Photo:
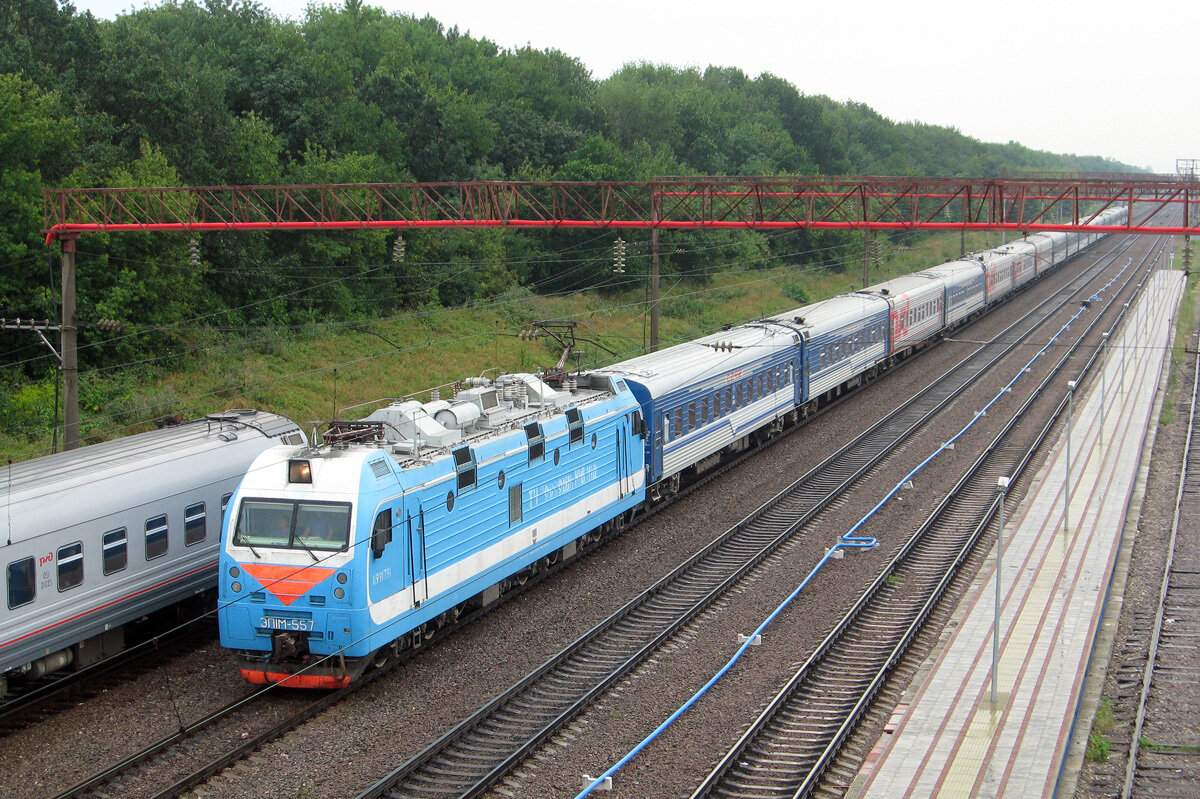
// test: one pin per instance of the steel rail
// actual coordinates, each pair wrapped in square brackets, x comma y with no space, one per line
[483,748]
[40,696]
[796,737]
[1151,781]
[257,740]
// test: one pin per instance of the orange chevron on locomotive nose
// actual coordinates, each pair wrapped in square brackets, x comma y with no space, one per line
[287,583]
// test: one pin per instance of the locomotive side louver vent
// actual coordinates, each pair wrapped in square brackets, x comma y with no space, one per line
[380,468]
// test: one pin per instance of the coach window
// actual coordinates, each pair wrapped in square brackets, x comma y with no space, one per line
[195,525]
[116,555]
[156,537]
[70,566]
[21,588]
[464,467]
[691,416]
[704,411]
[729,399]
[575,425]
[677,423]
[535,441]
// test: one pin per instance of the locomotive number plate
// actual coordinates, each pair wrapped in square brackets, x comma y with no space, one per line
[295,625]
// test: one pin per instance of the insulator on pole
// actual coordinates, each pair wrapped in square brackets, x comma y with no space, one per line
[398,249]
[619,256]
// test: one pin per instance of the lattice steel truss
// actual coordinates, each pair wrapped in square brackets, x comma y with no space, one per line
[867,203]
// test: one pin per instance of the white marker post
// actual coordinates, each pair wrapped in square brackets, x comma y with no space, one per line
[1067,483]
[1002,487]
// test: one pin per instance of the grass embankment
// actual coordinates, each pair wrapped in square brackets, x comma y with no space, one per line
[316,373]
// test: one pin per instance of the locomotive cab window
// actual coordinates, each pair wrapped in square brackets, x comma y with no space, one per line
[21,587]
[535,441]
[293,525]
[575,425]
[195,525]
[464,467]
[70,566]
[116,552]
[156,537]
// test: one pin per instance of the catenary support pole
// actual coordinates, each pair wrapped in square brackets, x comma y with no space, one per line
[69,345]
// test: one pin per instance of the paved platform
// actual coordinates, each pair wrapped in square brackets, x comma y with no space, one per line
[948,738]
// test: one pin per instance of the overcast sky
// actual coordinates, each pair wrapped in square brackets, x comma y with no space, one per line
[1118,82]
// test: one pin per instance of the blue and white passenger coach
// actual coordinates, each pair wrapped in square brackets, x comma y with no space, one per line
[704,398]
[339,554]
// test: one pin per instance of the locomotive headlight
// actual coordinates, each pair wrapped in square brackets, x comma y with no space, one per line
[235,572]
[339,593]
[341,578]
[299,471]
[237,587]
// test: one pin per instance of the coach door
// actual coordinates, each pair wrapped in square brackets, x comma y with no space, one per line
[416,544]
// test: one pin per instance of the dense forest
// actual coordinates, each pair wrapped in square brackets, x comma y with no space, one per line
[222,92]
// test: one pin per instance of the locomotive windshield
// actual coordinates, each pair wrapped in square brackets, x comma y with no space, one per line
[293,525]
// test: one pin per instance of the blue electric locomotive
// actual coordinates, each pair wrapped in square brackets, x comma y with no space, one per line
[339,554]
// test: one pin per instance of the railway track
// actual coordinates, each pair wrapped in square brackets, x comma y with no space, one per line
[796,738]
[1164,751]
[36,699]
[161,756]
[484,748]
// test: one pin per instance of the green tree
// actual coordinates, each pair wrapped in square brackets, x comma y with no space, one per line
[37,147]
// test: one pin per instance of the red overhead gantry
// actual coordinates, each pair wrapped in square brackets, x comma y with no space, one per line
[850,203]
[1062,203]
